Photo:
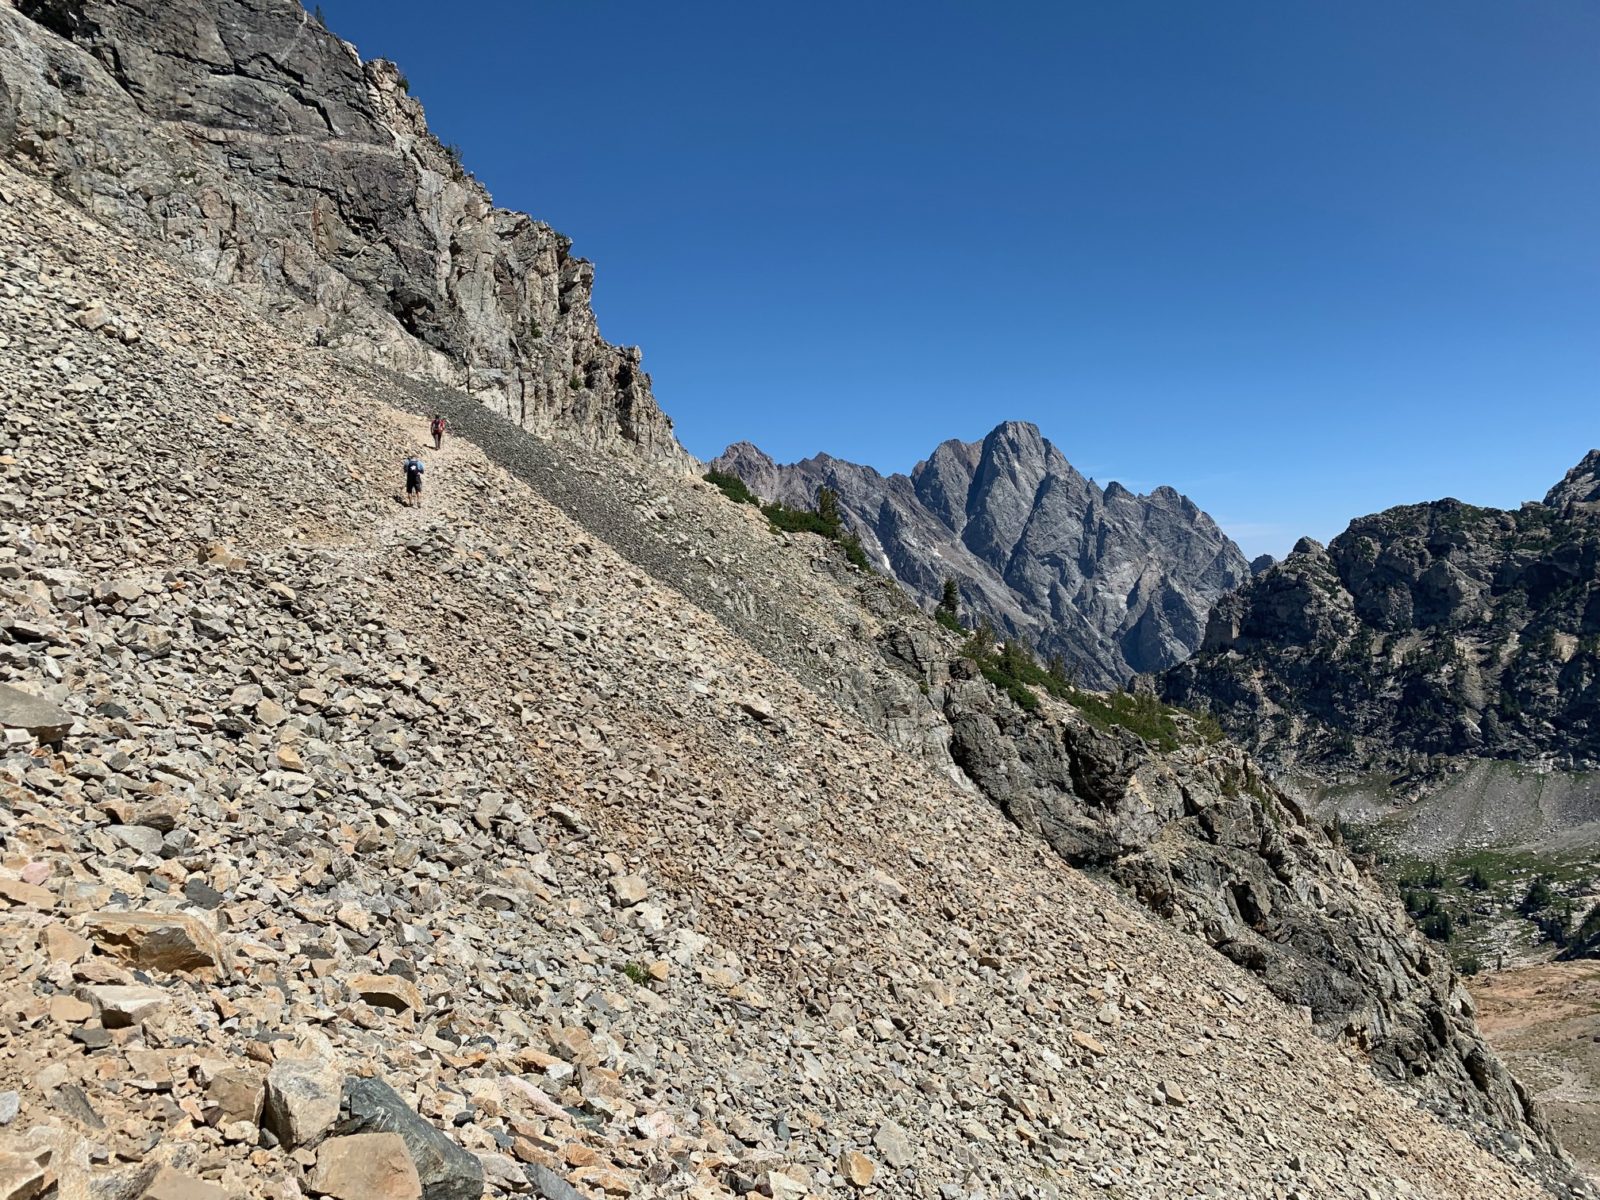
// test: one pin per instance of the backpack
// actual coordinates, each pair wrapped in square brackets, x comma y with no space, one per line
[438,425]
[414,468]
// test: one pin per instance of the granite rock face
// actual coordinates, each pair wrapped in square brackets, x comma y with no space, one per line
[262,150]
[1115,583]
[1428,630]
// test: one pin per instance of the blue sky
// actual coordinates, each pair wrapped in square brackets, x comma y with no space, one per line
[1301,261]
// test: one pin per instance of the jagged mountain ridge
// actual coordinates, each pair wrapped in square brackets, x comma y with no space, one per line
[260,148]
[1116,583]
[1439,629]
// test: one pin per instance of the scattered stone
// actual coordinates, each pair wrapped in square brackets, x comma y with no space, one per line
[893,1144]
[239,1093]
[629,889]
[122,1006]
[857,1169]
[388,991]
[302,1099]
[174,1185]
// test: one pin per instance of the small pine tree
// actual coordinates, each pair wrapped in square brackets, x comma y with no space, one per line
[1015,659]
[950,602]
[828,510]
[1539,895]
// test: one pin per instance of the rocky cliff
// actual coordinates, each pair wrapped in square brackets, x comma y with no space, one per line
[1115,583]
[1437,629]
[258,147]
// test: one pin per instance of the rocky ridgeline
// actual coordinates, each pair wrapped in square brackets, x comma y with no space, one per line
[1115,583]
[259,147]
[1430,631]
[403,853]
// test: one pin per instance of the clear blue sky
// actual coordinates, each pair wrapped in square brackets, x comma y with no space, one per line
[1300,260]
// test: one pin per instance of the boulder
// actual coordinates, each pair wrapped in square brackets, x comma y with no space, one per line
[46,721]
[388,991]
[366,1166]
[121,1006]
[302,1099]
[239,1092]
[447,1171]
[156,941]
[175,1185]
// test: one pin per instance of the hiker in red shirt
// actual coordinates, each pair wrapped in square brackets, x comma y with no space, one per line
[437,429]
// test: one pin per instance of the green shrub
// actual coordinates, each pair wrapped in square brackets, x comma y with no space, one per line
[1540,895]
[1421,904]
[795,520]
[854,551]
[828,512]
[1137,712]
[1478,880]
[1439,927]
[825,520]
[1470,965]
[636,972]
[1021,694]
[731,486]
[949,620]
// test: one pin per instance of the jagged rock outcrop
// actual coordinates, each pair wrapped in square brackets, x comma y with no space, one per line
[1115,583]
[1436,629]
[259,147]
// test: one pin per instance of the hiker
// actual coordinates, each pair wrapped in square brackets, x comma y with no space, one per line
[436,427]
[414,469]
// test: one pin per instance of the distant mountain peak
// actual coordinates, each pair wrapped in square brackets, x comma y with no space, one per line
[1116,583]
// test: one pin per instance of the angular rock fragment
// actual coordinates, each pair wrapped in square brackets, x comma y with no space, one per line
[156,941]
[302,1099]
[46,721]
[365,1166]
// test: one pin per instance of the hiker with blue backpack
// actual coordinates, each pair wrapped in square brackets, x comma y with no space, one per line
[414,468]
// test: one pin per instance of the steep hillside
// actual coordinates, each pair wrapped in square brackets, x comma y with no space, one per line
[1429,630]
[1114,583]
[260,148]
[471,803]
